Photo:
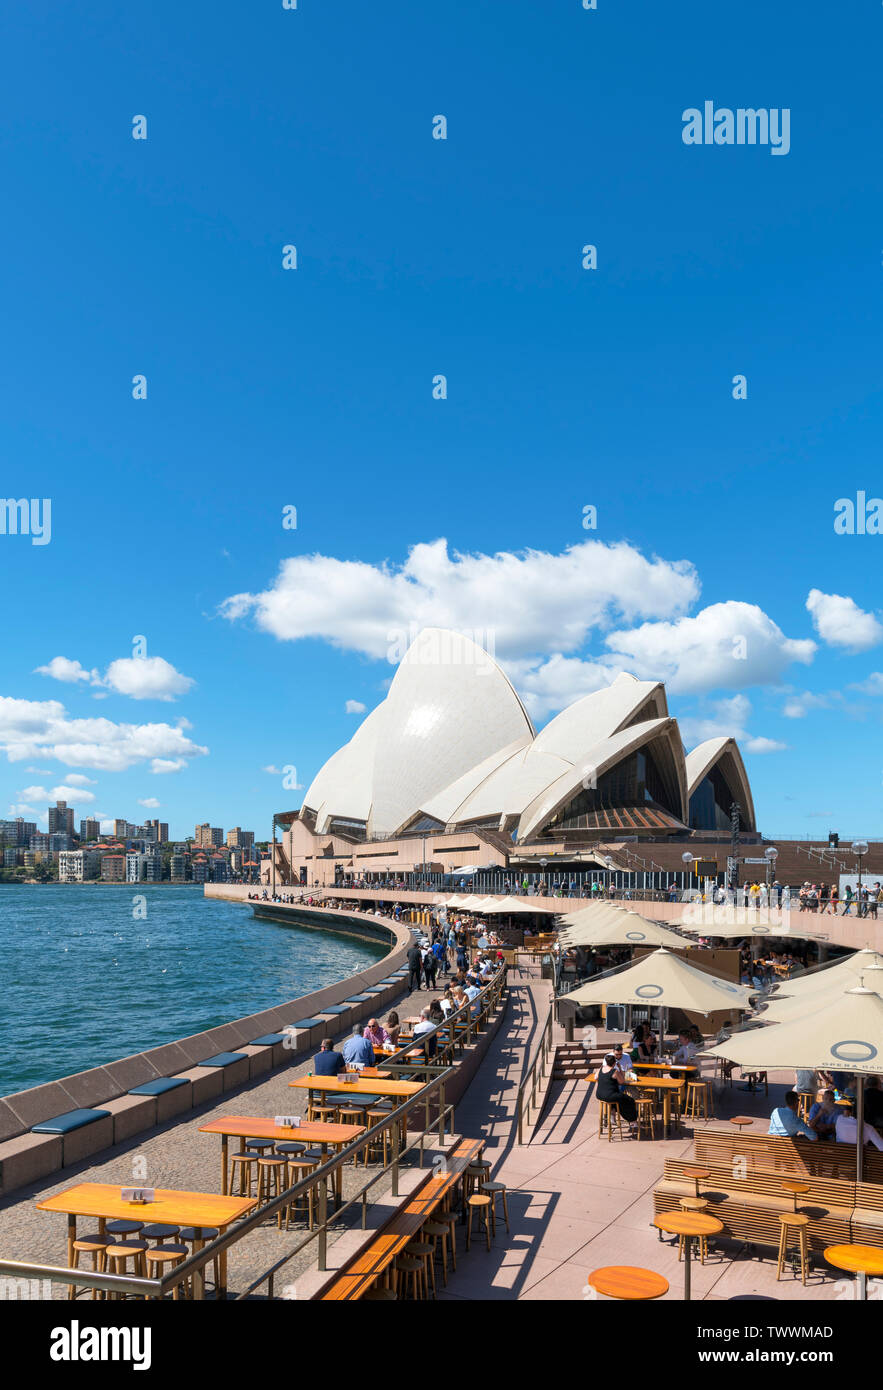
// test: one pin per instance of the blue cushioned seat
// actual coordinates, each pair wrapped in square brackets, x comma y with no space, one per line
[70,1120]
[336,1009]
[224,1059]
[159,1086]
[357,999]
[305,1023]
[268,1040]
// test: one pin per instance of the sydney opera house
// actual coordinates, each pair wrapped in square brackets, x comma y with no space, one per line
[449,770]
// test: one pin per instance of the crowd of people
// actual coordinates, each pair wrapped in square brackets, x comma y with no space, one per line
[831,1114]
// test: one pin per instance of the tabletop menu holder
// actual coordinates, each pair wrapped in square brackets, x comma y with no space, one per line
[138,1196]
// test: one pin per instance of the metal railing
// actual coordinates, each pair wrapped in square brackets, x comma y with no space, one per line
[473,1015]
[535,1073]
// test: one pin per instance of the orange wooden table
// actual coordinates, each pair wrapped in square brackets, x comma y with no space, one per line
[371,1087]
[171,1207]
[252,1127]
[688,1224]
[858,1259]
[795,1188]
[628,1281]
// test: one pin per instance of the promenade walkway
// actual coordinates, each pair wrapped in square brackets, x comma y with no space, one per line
[577,1203]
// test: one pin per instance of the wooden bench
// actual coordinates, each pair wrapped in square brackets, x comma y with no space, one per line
[357,1277]
[750,1200]
[867,1219]
[800,1157]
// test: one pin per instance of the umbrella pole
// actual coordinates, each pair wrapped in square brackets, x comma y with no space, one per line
[860,1127]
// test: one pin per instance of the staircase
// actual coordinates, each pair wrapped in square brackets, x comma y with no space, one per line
[573,1062]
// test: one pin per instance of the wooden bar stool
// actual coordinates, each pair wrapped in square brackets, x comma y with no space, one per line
[245,1164]
[793,1232]
[271,1170]
[322,1110]
[204,1234]
[439,1232]
[378,1148]
[171,1255]
[804,1102]
[481,1203]
[700,1104]
[95,1245]
[118,1255]
[425,1250]
[646,1116]
[297,1169]
[450,1219]
[379,1294]
[474,1174]
[494,1190]
[411,1273]
[608,1113]
[694,1204]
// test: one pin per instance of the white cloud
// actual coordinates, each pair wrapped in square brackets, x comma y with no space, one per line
[20,808]
[728,719]
[549,686]
[63,792]
[146,678]
[841,623]
[529,603]
[798,706]
[62,668]
[78,779]
[161,765]
[273,770]
[141,678]
[873,685]
[43,729]
[725,645]
[149,801]
[355,707]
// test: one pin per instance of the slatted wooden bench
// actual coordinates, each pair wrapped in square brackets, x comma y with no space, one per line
[358,1276]
[867,1219]
[797,1157]
[750,1200]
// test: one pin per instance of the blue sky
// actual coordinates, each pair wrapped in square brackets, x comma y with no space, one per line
[313,387]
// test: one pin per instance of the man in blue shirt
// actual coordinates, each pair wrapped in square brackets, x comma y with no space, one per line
[785,1122]
[357,1050]
[327,1062]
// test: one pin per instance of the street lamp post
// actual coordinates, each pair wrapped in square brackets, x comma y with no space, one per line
[859,847]
[687,861]
[770,855]
[609,862]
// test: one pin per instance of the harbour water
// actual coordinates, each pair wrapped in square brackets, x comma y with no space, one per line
[85,980]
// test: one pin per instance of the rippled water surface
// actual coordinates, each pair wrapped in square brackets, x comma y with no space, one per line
[83,981]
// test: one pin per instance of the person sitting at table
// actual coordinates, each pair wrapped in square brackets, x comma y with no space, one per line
[446,1002]
[806,1082]
[643,1044]
[822,1115]
[327,1062]
[393,1027]
[785,1122]
[623,1060]
[436,1012]
[685,1056]
[873,1101]
[426,1025]
[610,1088]
[846,1129]
[357,1050]
[375,1033]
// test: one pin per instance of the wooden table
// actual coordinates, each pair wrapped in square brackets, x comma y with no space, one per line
[628,1281]
[663,1066]
[740,1121]
[252,1127]
[858,1259]
[665,1084]
[102,1200]
[795,1188]
[371,1087]
[696,1174]
[688,1224]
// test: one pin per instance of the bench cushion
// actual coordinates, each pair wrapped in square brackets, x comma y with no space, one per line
[223,1059]
[158,1087]
[268,1040]
[72,1119]
[306,1023]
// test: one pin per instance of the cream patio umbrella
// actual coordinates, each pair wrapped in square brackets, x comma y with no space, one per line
[664,979]
[785,1008]
[845,1033]
[504,905]
[623,929]
[846,970]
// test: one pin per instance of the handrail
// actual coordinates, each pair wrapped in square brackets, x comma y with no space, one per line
[195,1263]
[530,1077]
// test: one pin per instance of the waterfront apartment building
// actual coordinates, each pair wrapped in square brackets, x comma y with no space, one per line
[78,865]
[113,868]
[61,819]
[178,868]
[240,839]
[89,829]
[209,836]
[17,833]
[143,868]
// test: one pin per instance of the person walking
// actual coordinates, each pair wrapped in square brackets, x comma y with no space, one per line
[430,966]
[415,967]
